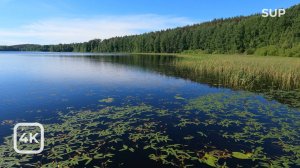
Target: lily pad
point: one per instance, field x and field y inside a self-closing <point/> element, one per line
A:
<point x="240" y="155"/>
<point x="210" y="160"/>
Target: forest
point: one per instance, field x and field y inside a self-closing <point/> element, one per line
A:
<point x="243" y="35"/>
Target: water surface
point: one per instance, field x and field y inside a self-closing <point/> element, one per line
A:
<point x="207" y="126"/>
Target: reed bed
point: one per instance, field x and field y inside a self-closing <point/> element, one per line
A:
<point x="241" y="71"/>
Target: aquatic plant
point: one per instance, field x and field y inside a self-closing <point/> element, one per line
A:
<point x="246" y="125"/>
<point x="108" y="100"/>
<point x="242" y="72"/>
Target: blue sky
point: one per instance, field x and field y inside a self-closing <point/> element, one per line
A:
<point x="65" y="21"/>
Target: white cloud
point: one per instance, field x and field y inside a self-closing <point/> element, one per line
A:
<point x="66" y="30"/>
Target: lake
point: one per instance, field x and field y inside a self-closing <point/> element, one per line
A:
<point x="119" y="110"/>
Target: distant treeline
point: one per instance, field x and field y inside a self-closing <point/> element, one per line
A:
<point x="250" y="35"/>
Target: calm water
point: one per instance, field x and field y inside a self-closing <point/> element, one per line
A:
<point x="40" y="87"/>
<point x="38" y="84"/>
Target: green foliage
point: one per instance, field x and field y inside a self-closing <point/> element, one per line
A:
<point x="194" y="52"/>
<point x="271" y="36"/>
<point x="278" y="51"/>
<point x="210" y="160"/>
<point x="293" y="52"/>
<point x="269" y="50"/>
<point x="242" y="72"/>
<point x="240" y="155"/>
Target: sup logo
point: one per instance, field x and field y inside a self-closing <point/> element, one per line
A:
<point x="273" y="13"/>
<point x="28" y="138"/>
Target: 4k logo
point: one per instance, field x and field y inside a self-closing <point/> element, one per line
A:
<point x="34" y="135"/>
<point x="31" y="138"/>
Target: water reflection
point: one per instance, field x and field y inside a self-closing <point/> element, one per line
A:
<point x="165" y="65"/>
<point x="47" y="82"/>
<point x="128" y="106"/>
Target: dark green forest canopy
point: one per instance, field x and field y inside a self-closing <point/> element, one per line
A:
<point x="251" y="35"/>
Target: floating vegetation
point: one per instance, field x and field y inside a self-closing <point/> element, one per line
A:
<point x="217" y="130"/>
<point x="240" y="155"/>
<point x="178" y="97"/>
<point x="7" y="122"/>
<point x="108" y="100"/>
<point x="189" y="137"/>
<point x="256" y="123"/>
<point x="209" y="160"/>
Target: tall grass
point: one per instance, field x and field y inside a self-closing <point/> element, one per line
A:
<point x="240" y="71"/>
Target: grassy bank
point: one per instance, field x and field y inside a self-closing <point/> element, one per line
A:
<point x="243" y="71"/>
<point x="274" y="77"/>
